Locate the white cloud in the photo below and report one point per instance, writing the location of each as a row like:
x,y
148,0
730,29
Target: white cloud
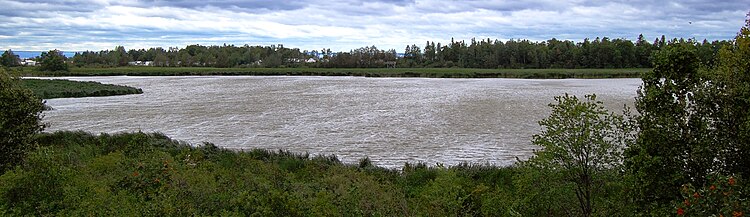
x,y
344,25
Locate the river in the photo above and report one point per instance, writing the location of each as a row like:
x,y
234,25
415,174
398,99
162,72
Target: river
x,y
390,120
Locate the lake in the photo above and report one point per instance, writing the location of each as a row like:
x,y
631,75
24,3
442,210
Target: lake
x,y
390,120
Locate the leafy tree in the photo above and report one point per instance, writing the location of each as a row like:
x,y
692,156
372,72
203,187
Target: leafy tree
x,y
732,95
673,144
20,119
694,122
582,141
120,57
161,60
53,61
9,59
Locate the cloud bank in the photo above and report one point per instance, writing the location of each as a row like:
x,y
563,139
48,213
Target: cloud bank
x,y
77,25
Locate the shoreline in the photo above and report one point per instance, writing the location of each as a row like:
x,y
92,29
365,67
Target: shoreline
x,y
354,72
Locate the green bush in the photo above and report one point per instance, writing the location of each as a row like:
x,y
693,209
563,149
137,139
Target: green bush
x,y
20,119
723,196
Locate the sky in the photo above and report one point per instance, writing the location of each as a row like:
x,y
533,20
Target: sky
x,y
79,25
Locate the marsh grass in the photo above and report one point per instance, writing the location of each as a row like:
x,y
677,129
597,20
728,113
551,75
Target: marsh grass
x,y
49,89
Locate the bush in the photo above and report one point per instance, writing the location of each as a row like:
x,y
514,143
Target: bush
x,y
723,196
20,119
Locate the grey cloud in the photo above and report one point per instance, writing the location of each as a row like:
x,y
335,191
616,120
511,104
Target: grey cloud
x,y
383,23
547,5
251,4
46,9
50,6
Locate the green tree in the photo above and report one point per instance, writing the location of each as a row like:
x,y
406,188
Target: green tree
x,y
694,122
674,144
9,59
20,119
53,61
582,142
119,57
732,95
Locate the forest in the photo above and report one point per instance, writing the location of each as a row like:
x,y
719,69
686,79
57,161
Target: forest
x,y
477,53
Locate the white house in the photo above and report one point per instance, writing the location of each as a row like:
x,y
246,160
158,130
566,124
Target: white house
x,y
141,63
28,62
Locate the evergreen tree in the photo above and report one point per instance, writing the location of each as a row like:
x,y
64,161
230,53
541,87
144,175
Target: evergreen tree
x,y
9,59
53,61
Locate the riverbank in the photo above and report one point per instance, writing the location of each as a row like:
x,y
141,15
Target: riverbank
x,y
364,72
77,173
50,89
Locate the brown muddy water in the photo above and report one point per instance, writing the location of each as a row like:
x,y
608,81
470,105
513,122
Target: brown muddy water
x,y
390,120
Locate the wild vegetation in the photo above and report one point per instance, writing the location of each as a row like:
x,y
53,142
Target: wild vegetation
x,y
477,53
684,153
379,72
75,173
49,89
20,119
488,54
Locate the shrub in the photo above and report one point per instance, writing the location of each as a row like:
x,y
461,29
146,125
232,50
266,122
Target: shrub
x,y
722,196
20,119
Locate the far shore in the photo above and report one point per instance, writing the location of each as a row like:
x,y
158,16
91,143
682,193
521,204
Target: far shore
x,y
361,72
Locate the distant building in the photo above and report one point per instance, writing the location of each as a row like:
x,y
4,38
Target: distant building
x,y
28,62
311,60
390,64
141,63
294,60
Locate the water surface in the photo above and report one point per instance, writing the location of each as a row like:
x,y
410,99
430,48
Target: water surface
x,y
390,120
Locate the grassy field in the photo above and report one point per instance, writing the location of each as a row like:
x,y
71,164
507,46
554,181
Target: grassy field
x,y
370,72
49,89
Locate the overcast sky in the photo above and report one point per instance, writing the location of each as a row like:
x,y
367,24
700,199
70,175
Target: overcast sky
x,y
78,25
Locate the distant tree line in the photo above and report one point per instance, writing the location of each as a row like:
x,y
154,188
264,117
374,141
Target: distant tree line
x,y
485,53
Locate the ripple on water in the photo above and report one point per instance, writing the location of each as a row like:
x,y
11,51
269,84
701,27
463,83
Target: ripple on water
x,y
390,120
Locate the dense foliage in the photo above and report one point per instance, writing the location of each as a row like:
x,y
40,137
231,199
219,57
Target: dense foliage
x,y
483,53
49,89
53,61
75,173
694,122
20,119
9,59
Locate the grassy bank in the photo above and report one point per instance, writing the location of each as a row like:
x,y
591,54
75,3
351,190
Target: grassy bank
x,y
140,174
79,174
370,72
49,89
